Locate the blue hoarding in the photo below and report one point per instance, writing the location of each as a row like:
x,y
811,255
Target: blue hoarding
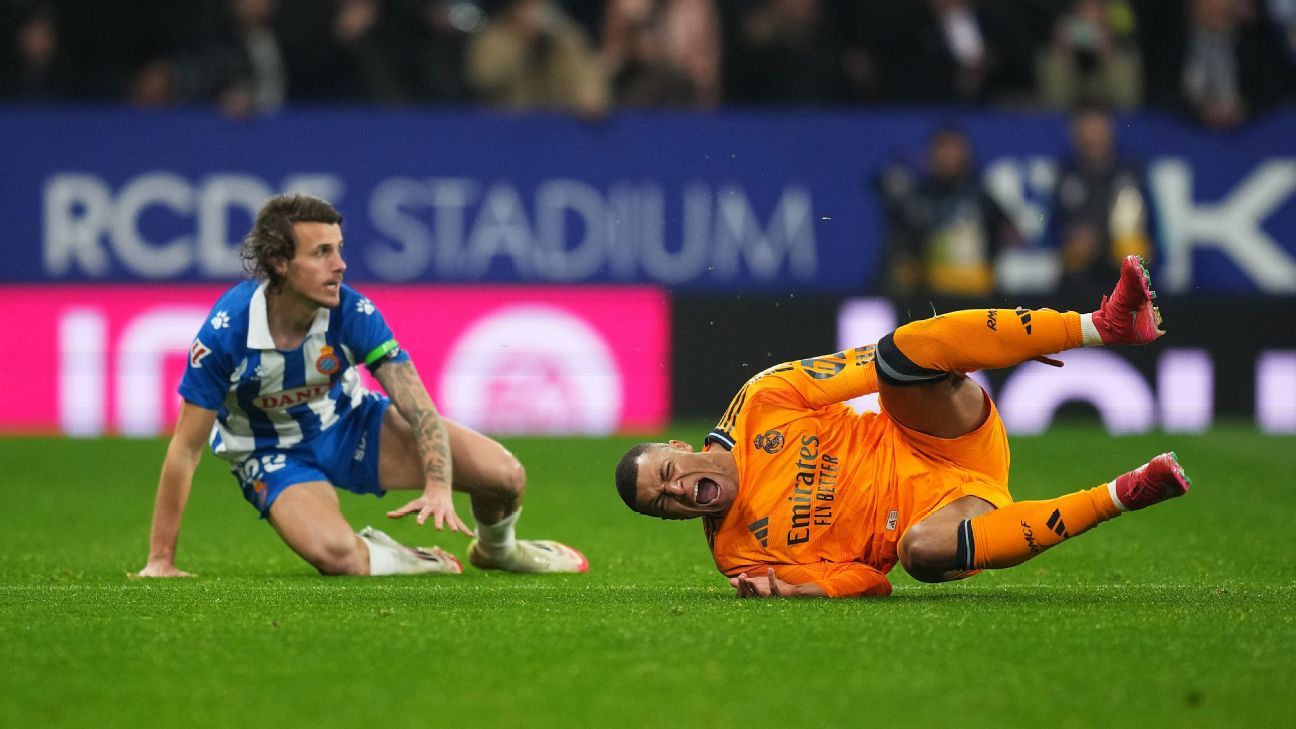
x,y
701,203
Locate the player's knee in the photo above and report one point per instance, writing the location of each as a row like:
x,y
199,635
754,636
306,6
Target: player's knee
x,y
514,481
895,356
339,557
508,477
927,550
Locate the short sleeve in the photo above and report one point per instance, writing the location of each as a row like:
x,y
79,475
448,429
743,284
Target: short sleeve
x,y
207,371
365,332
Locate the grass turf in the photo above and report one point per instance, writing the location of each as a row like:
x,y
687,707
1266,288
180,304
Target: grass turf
x,y
1177,616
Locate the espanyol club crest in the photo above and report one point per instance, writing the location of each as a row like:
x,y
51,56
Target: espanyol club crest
x,y
327,363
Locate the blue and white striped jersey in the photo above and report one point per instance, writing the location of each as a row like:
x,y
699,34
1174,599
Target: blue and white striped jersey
x,y
268,398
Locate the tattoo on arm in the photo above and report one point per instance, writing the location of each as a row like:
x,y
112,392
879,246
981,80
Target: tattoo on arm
x,y
409,395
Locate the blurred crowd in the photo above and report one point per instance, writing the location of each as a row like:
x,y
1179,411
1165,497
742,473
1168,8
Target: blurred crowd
x,y
948,236
1219,61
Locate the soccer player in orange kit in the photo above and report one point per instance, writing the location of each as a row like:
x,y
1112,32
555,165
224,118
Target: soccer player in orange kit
x,y
800,495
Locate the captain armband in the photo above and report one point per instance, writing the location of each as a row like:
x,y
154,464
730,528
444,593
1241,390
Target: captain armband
x,y
382,354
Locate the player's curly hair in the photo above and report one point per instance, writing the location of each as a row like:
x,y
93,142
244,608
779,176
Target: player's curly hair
x,y
271,239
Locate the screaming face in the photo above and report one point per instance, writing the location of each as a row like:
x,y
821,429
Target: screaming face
x,y
677,483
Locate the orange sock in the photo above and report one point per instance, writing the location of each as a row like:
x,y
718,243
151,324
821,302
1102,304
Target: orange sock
x,y
1009,536
975,339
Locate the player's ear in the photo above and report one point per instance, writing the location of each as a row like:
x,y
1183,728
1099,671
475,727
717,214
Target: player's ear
x,y
680,445
280,266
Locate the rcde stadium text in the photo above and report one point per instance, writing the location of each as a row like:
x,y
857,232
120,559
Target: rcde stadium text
x,y
566,231
560,230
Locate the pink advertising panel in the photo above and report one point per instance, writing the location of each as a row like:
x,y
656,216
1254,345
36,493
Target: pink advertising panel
x,y
91,360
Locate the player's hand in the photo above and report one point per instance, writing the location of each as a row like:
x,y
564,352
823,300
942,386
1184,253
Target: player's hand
x,y
161,569
768,586
439,506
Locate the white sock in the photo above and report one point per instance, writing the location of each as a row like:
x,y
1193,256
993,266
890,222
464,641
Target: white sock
x,y
498,537
1111,490
386,560
1089,331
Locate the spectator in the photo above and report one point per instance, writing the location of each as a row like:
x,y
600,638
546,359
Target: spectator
x,y
115,50
663,52
785,51
372,64
433,39
33,67
863,37
960,51
1100,211
532,56
156,83
1282,13
1223,66
1092,56
247,67
945,230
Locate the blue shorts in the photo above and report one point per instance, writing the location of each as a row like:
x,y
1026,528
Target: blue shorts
x,y
345,455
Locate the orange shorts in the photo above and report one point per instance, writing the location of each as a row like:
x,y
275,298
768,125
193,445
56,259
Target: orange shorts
x,y
931,472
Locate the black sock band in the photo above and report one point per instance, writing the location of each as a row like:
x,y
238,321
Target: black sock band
x,y
965,555
894,368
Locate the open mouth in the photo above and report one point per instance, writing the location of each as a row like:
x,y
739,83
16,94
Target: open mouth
x,y
705,492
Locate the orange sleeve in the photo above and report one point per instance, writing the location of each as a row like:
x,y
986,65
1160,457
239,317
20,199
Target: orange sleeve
x,y
838,579
832,378
800,385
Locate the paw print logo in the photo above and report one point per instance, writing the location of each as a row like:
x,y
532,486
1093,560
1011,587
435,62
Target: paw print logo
x,y
220,321
365,306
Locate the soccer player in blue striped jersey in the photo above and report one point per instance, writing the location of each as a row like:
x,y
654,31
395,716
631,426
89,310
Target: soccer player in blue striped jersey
x,y
271,383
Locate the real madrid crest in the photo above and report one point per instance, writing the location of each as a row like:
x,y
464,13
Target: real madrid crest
x,y
770,441
328,363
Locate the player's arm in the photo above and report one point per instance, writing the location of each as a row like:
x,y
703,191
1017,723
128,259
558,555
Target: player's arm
x,y
806,384
183,453
769,585
406,390
818,381
845,579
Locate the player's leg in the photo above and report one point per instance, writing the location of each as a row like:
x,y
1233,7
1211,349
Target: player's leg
x,y
308,517
298,501
492,477
928,549
495,482
970,534
918,364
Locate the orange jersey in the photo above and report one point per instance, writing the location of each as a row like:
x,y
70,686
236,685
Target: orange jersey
x,y
825,493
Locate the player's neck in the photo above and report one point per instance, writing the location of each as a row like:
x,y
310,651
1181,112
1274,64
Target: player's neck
x,y
290,317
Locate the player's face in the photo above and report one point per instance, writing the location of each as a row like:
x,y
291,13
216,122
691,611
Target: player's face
x,y
315,271
676,483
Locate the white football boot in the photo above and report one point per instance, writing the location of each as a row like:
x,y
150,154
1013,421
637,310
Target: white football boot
x,y
415,560
529,556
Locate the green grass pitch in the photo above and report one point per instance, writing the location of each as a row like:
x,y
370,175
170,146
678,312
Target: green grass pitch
x,y
1179,616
